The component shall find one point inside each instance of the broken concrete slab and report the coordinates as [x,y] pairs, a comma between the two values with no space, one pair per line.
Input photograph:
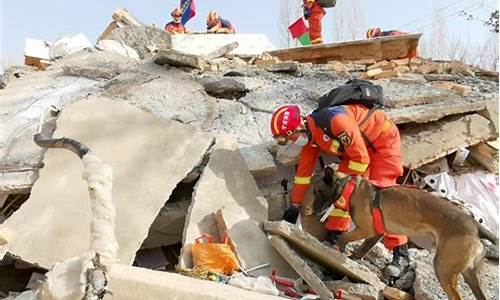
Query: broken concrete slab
[227,179]
[435,111]
[361,290]
[378,48]
[97,65]
[24,103]
[462,90]
[322,254]
[132,283]
[140,172]
[168,226]
[395,294]
[225,87]
[118,48]
[204,44]
[301,267]
[441,77]
[222,50]
[146,40]
[431,141]
[259,161]
[491,113]
[69,45]
[179,59]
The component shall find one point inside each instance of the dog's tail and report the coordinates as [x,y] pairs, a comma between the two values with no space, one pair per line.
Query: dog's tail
[485,233]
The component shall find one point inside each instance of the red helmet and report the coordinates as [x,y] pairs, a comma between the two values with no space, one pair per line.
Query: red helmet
[284,122]
[176,13]
[373,32]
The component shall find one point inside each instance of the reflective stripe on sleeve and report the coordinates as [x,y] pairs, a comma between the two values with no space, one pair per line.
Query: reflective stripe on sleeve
[356,166]
[339,213]
[302,180]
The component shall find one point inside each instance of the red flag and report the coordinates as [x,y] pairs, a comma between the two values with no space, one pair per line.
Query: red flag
[298,28]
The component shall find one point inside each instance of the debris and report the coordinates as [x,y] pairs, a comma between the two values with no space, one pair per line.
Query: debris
[391,47]
[365,62]
[441,77]
[401,62]
[259,161]
[461,68]
[227,179]
[429,142]
[121,18]
[131,283]
[402,69]
[179,59]
[460,89]
[301,267]
[322,254]
[338,67]
[284,67]
[387,74]
[362,290]
[145,40]
[491,113]
[395,294]
[427,67]
[383,65]
[225,87]
[118,48]
[367,245]
[261,284]
[374,72]
[69,45]
[37,53]
[97,65]
[222,50]
[153,178]
[486,156]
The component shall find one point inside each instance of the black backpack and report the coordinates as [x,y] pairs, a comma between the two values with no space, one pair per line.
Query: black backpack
[327,3]
[355,91]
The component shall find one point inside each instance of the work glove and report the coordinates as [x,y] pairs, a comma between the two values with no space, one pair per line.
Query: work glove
[307,12]
[292,214]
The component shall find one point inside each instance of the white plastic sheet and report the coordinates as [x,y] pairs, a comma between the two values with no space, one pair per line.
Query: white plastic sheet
[261,284]
[478,190]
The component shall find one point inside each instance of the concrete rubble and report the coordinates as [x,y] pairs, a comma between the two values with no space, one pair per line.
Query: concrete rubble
[183,120]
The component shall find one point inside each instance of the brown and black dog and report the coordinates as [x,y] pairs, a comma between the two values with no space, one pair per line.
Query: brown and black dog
[410,211]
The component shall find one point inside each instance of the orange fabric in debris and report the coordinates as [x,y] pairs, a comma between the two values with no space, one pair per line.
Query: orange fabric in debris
[216,257]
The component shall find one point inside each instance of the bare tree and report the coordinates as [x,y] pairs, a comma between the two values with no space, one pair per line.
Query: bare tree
[349,21]
[289,12]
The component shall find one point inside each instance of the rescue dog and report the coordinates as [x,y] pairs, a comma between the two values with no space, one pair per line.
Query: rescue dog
[410,211]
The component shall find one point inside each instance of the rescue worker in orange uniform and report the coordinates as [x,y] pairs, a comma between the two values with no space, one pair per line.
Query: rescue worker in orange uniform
[314,12]
[175,26]
[377,32]
[215,24]
[379,161]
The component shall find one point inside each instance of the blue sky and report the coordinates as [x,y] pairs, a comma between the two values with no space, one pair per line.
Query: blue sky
[51,19]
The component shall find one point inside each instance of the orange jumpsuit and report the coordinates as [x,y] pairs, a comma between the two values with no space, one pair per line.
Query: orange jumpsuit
[381,166]
[175,28]
[317,13]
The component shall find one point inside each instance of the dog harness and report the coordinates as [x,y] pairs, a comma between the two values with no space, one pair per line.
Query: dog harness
[378,220]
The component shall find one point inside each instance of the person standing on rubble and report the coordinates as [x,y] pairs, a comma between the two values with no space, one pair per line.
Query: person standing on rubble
[369,144]
[175,26]
[215,24]
[314,11]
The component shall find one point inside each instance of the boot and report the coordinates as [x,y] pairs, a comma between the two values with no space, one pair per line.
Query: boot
[332,240]
[400,262]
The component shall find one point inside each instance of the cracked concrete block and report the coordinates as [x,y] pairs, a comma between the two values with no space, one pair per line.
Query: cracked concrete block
[462,90]
[179,59]
[283,67]
[374,72]
[431,141]
[146,40]
[148,156]
[168,226]
[132,283]
[97,65]
[387,74]
[225,87]
[301,267]
[226,184]
[383,65]
[491,113]
[322,254]
[117,48]
[361,290]
[276,201]
[259,161]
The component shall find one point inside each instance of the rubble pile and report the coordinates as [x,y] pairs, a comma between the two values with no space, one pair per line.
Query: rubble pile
[187,137]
